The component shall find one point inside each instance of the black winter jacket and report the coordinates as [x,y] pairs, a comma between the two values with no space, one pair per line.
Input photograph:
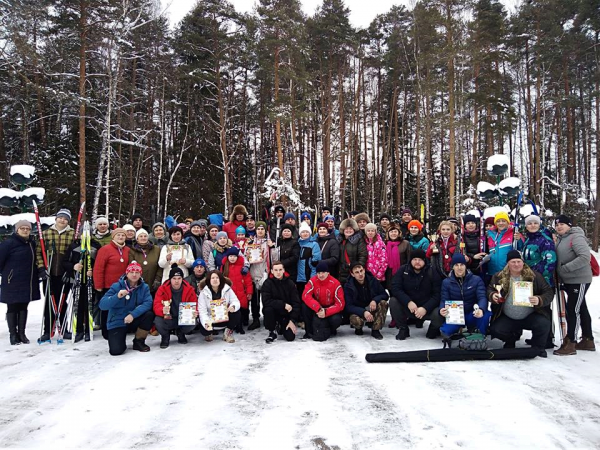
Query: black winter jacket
[356,303]
[289,254]
[330,252]
[351,250]
[276,293]
[18,266]
[423,288]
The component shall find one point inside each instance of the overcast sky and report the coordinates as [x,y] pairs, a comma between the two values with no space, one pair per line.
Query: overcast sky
[362,12]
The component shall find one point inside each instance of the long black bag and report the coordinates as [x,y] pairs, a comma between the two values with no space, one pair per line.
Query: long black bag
[453,354]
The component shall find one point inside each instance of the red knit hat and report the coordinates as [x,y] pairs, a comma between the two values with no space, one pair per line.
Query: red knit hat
[133,267]
[415,223]
[489,221]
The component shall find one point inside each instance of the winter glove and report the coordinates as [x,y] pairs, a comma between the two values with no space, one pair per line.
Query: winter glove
[314,263]
[155,285]
[42,273]
[245,271]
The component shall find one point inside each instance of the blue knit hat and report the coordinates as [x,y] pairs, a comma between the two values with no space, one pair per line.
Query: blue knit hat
[233,251]
[304,216]
[329,217]
[289,216]
[458,258]
[240,230]
[198,262]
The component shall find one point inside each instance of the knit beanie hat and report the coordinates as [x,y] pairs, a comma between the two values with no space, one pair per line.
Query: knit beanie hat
[22,223]
[198,262]
[289,216]
[232,251]
[458,258]
[533,219]
[133,266]
[322,267]
[288,226]
[175,271]
[305,216]
[415,223]
[322,225]
[489,221]
[329,217]
[304,227]
[406,211]
[221,234]
[418,254]
[99,220]
[128,227]
[64,212]
[211,226]
[262,224]
[116,231]
[513,254]
[564,219]
[141,231]
[384,216]
[240,230]
[198,223]
[470,218]
[501,215]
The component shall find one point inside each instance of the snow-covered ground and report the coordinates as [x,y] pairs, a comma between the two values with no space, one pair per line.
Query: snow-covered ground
[299,395]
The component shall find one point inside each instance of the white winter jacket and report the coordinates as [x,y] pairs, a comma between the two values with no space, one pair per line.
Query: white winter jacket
[205,298]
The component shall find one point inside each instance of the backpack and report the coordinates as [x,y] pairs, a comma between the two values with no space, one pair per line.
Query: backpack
[593,262]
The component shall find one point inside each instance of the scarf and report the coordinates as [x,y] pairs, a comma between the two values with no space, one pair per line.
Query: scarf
[393,255]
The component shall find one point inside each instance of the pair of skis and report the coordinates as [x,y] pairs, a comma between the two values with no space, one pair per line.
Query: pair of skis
[82,281]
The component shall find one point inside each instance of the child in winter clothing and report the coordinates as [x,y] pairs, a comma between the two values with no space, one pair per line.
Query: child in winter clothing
[240,239]
[441,251]
[310,255]
[377,262]
[241,282]
[216,256]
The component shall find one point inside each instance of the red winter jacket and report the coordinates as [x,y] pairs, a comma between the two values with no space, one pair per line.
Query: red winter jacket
[108,267]
[230,227]
[327,294]
[241,284]
[445,252]
[164,293]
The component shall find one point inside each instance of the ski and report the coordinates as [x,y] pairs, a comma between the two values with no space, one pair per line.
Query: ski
[517,218]
[47,292]
[76,290]
[90,290]
[79,216]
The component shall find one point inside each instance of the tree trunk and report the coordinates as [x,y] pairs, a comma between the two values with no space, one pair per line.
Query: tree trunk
[452,154]
[82,77]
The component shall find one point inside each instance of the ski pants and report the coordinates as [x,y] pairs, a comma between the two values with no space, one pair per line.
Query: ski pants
[164,327]
[273,317]
[57,287]
[509,330]
[471,323]
[117,336]
[578,315]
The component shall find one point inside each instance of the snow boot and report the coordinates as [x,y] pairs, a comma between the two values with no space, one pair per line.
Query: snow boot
[358,331]
[87,337]
[11,319]
[272,337]
[376,334]
[433,333]
[403,333]
[44,338]
[586,344]
[566,349]
[255,325]
[181,337]
[21,324]
[240,328]
[139,342]
[164,341]
[79,336]
[228,336]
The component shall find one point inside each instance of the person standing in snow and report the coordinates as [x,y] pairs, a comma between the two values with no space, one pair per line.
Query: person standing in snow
[281,304]
[101,233]
[384,225]
[57,240]
[323,303]
[500,242]
[366,301]
[441,251]
[129,234]
[539,251]
[329,247]
[236,219]
[352,248]
[241,282]
[415,236]
[128,304]
[195,237]
[509,320]
[575,275]
[258,270]
[169,296]
[289,250]
[159,235]
[175,252]
[377,262]
[310,255]
[209,243]
[20,282]
[147,254]
[137,221]
[198,274]
[472,238]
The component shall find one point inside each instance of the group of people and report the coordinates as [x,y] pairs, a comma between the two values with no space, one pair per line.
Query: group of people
[304,274]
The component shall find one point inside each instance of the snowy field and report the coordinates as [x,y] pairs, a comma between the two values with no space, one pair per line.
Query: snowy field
[300,395]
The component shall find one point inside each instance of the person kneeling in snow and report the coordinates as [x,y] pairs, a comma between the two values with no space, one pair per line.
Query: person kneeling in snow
[366,301]
[281,303]
[129,306]
[462,285]
[324,302]
[168,297]
[509,320]
[217,287]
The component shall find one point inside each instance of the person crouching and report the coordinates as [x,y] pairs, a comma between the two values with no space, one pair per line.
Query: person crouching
[168,297]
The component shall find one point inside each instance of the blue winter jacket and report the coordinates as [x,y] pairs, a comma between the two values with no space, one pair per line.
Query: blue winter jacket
[539,253]
[471,291]
[420,243]
[139,303]
[19,270]
[353,303]
[310,255]
[500,243]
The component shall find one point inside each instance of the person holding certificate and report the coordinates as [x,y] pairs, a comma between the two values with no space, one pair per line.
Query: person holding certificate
[218,307]
[519,297]
[461,293]
[173,296]
[177,251]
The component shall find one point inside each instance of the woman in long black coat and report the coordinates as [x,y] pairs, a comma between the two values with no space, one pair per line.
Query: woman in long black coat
[20,279]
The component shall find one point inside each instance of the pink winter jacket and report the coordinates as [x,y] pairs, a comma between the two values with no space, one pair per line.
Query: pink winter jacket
[377,262]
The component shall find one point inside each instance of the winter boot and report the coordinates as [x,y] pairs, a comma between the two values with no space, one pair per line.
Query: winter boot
[164,341]
[403,333]
[255,325]
[22,323]
[79,336]
[240,328]
[567,348]
[181,337]
[433,333]
[376,334]
[139,342]
[271,338]
[586,344]
[87,337]
[358,331]
[44,338]
[228,336]
[11,319]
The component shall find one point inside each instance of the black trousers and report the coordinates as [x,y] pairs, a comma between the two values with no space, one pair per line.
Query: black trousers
[578,315]
[56,288]
[273,317]
[320,329]
[401,314]
[255,303]
[82,309]
[117,336]
[16,307]
[509,330]
[234,320]
[164,327]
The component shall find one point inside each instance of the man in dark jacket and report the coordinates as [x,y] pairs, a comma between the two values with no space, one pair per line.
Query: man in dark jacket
[462,286]
[509,319]
[416,295]
[281,304]
[289,251]
[366,301]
